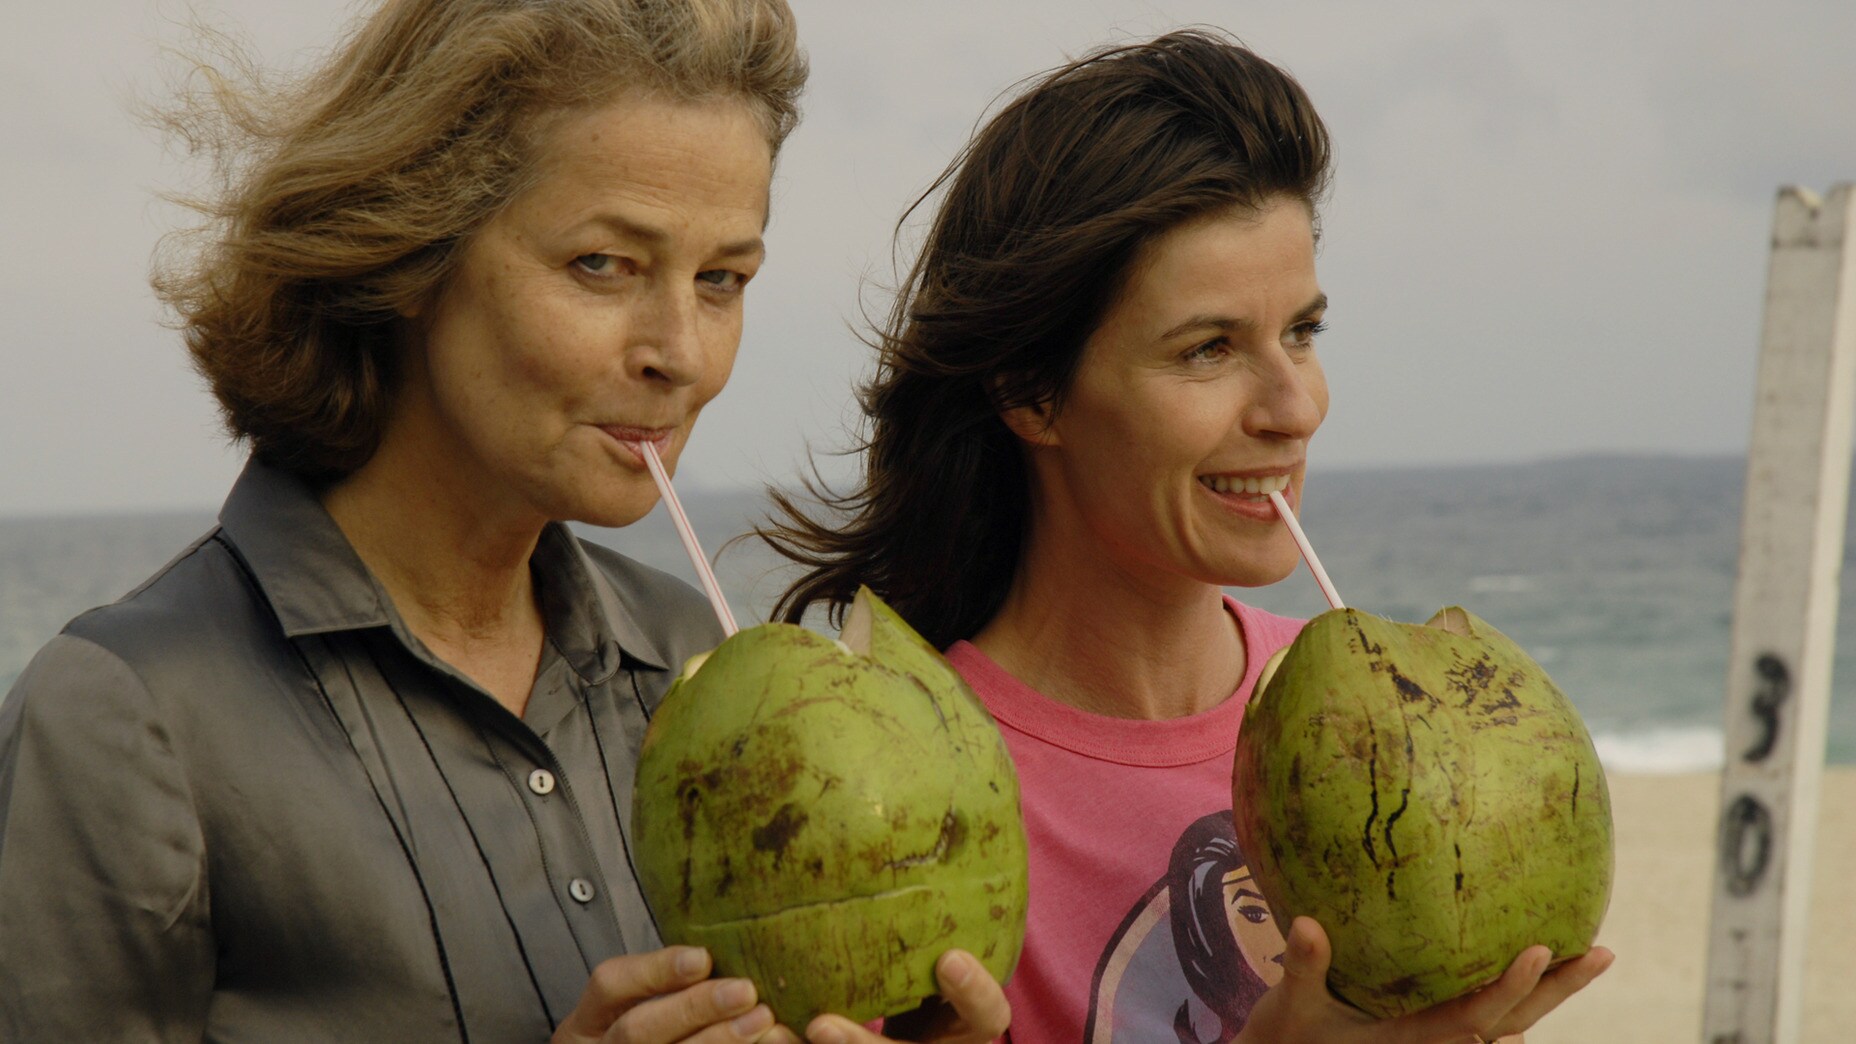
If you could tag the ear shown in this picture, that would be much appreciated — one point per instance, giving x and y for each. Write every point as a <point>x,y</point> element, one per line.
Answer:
<point>1032,424</point>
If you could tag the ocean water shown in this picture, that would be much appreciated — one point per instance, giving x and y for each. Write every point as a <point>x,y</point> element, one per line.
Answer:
<point>1617,574</point>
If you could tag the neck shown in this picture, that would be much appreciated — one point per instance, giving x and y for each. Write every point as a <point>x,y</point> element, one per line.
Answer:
<point>458,574</point>
<point>1089,633</point>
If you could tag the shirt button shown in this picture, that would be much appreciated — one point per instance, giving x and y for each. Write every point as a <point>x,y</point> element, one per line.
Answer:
<point>581,889</point>
<point>541,781</point>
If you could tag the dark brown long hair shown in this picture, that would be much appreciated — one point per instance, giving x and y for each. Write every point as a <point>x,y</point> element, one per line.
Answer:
<point>1042,214</point>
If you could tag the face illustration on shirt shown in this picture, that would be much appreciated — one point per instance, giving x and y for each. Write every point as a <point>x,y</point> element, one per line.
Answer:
<point>1252,926</point>
<point>1194,954</point>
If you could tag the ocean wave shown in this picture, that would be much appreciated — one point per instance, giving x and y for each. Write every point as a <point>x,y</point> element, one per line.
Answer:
<point>1666,749</point>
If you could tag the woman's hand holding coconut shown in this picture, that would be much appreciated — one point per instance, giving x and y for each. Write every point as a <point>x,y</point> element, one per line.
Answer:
<point>972,1010</point>
<point>661,998</point>
<point>666,996</point>
<point>1301,1009</point>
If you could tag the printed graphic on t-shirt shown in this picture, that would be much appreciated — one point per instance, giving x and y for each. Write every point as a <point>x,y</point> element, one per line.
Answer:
<point>1194,954</point>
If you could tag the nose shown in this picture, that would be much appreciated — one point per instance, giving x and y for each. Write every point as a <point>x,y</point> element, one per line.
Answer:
<point>1290,399</point>
<point>665,345</point>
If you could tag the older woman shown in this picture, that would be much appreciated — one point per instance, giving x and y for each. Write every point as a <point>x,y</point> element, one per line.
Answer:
<point>1101,364</point>
<point>357,764</point>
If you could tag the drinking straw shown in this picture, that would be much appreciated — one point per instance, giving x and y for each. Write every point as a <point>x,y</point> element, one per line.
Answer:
<point>1308,551</point>
<point>690,546</point>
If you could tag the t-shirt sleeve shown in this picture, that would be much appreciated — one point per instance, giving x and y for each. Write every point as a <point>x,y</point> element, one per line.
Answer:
<point>104,924</point>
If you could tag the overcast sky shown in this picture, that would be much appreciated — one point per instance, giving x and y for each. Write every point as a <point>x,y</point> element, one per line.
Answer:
<point>1547,235</point>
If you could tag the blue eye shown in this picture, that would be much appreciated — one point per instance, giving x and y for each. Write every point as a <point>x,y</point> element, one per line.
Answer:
<point>596,264</point>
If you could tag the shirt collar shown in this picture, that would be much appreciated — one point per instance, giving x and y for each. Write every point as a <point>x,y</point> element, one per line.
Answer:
<point>316,583</point>
<point>310,574</point>
<point>585,612</point>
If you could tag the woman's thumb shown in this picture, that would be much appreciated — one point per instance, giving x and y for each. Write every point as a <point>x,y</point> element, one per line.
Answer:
<point>1305,961</point>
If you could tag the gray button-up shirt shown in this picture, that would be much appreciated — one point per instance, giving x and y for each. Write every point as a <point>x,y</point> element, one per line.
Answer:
<point>245,803</point>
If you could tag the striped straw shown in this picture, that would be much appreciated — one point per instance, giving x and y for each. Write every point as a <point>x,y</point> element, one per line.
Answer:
<point>690,546</point>
<point>1308,551</point>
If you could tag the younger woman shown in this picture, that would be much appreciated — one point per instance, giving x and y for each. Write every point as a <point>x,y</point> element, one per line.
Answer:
<point>1101,363</point>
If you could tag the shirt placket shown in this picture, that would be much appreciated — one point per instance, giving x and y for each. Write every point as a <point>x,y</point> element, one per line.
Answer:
<point>519,806</point>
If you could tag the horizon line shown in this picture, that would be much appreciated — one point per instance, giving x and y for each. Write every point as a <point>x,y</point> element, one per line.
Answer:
<point>705,489</point>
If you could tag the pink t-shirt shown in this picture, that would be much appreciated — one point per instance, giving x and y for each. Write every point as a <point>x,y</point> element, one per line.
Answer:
<point>1144,927</point>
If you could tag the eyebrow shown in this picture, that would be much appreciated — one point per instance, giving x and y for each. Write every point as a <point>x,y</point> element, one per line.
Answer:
<point>1227,324</point>
<point>656,237</point>
<point>1242,892</point>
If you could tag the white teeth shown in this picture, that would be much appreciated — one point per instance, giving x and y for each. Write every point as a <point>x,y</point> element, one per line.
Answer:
<point>1255,487</point>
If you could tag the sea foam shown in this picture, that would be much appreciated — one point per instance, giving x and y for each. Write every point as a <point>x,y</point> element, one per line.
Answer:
<point>1662,750</point>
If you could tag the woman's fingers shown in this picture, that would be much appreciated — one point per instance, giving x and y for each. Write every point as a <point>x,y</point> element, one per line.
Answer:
<point>722,1011</point>
<point>981,1010</point>
<point>622,983</point>
<point>1555,986</point>
<point>971,1009</point>
<point>1300,1007</point>
<point>1524,995</point>
<point>1480,1014</point>
<point>1306,956</point>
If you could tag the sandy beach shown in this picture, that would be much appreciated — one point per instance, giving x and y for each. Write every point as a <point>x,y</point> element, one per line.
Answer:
<point>1658,921</point>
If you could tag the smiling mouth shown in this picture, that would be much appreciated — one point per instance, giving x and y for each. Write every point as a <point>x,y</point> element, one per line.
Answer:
<point>1256,486</point>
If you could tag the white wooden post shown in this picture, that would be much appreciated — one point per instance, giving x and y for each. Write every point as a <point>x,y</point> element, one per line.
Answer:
<point>1784,631</point>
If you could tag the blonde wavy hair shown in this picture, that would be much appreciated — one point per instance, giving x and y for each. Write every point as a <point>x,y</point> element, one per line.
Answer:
<point>341,197</point>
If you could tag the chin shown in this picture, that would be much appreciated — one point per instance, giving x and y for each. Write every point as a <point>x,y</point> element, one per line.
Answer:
<point>595,496</point>
<point>1257,573</point>
<point>610,516</point>
<point>617,509</point>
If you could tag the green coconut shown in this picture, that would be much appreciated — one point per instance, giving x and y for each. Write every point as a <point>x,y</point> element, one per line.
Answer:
<point>829,817</point>
<point>1430,797</point>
